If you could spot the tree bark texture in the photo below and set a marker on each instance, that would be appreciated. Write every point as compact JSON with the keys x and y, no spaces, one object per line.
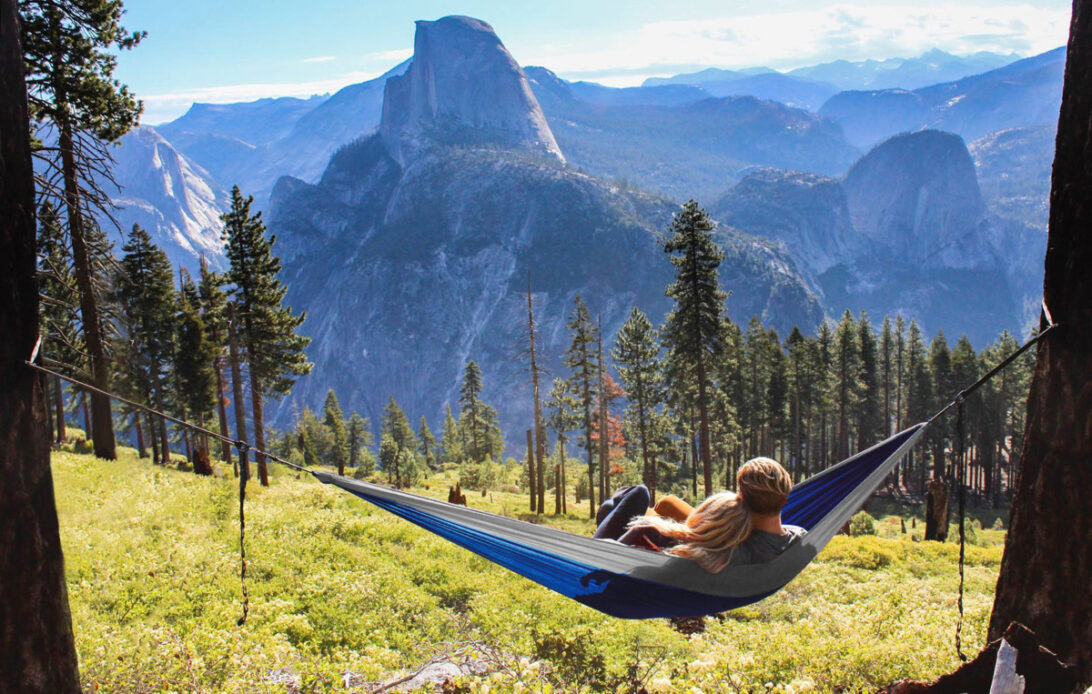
{"x":1046,"y":571}
{"x":237,"y":390}
{"x":37,"y":653}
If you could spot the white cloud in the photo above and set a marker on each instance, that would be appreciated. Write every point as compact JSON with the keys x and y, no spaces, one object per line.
{"x":791,"y":39}
{"x":320,"y":59}
{"x":395,"y":56}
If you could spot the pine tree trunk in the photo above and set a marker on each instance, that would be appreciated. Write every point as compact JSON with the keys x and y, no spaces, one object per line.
{"x":102,"y":425}
{"x":58,"y":395}
{"x":221,"y":410}
{"x":86,"y":415}
{"x":152,"y":439}
{"x":141,"y":451}
{"x":1046,"y":570}
{"x":256,"y":408}
{"x":540,"y":430}
{"x":164,"y":437}
{"x":532,"y":479}
{"x":562,"y":483}
{"x":237,"y":391}
{"x":37,"y":653}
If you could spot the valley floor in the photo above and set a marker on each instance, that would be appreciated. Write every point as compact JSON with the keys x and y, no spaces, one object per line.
{"x":344,"y":596}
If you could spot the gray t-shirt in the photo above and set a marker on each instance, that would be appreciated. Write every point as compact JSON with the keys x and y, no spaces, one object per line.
{"x":762,"y":546}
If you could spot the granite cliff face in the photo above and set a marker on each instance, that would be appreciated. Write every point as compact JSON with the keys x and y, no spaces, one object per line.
{"x":462,"y":88}
{"x":806,"y":213}
{"x":174,"y":199}
{"x":412,"y":253}
{"x":916,"y":198}
{"x":905,"y":231}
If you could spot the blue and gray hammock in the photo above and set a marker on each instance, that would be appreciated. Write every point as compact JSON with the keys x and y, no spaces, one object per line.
{"x":636,"y":583}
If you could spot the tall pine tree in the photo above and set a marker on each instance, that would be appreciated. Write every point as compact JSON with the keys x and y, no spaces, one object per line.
{"x":636,"y":353}
{"x":334,"y":419}
{"x":146,"y":296}
{"x":266,"y":328}
{"x":195,"y":379}
{"x":471,"y":417}
{"x":582,"y":358}
{"x":692,"y":329}
{"x":70,"y":48}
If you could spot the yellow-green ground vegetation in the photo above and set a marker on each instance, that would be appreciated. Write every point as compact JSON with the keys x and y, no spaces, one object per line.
{"x":341,"y":592}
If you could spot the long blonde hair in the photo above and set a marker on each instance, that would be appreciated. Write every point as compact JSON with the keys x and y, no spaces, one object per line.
{"x":723,"y":522}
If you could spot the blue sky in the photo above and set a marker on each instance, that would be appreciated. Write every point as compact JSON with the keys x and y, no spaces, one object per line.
{"x":240,"y":50}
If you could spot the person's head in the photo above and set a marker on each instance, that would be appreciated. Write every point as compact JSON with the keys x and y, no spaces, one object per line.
{"x":724,"y":521}
{"x":764,"y":486}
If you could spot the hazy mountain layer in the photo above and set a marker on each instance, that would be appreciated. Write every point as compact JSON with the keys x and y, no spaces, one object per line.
{"x":1027,"y":92}
{"x":693,"y":150}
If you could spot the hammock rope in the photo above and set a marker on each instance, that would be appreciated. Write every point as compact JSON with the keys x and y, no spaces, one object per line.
{"x":671,"y":580}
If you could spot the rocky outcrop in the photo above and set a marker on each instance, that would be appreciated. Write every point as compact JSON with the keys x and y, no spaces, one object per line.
{"x":805,"y":213}
{"x":463,"y":87}
{"x":175,"y":200}
{"x":916,"y":198}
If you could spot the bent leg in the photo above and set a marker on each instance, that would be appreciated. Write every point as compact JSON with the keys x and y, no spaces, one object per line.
{"x":634,"y":502}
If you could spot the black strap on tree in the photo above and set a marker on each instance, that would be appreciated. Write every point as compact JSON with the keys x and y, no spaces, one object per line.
{"x":241,"y":445}
{"x":961,"y":479}
{"x":244,"y":474}
{"x":959,"y":401}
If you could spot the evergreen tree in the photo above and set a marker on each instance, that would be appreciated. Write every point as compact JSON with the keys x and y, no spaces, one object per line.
{"x":692,"y":332}
{"x":451,"y":439}
{"x":146,"y":295}
{"x":69,"y":48}
{"x":428,"y":445}
{"x":360,"y":439}
{"x":314,"y":438}
{"x":777,"y":393}
{"x":919,"y":393}
{"x":869,"y":406}
{"x":471,"y":416}
{"x":58,"y":307}
{"x":940,"y":371}
{"x":825,"y":400}
{"x":334,"y":419}
{"x":582,"y":358}
{"x":563,"y":418}
{"x":847,"y":367}
{"x":267,"y":328}
{"x":194,"y":357}
{"x":398,"y":437}
{"x":214,"y":313}
{"x":887,"y":366}
{"x":636,"y":353}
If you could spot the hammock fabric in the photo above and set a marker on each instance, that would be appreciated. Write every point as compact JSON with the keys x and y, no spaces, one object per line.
{"x":636,"y":583}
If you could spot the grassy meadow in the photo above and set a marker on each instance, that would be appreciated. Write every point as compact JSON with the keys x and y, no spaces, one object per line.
{"x":344,"y":597}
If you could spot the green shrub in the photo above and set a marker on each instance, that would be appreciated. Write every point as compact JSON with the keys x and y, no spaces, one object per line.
{"x":862,"y":524}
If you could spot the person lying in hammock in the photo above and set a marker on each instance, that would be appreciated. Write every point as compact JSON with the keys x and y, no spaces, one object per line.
{"x":727,"y":528}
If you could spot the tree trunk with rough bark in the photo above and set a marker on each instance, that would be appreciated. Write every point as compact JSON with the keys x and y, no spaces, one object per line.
{"x":37,"y":653}
{"x":1046,"y":570}
{"x":221,"y":410}
{"x":237,"y":391}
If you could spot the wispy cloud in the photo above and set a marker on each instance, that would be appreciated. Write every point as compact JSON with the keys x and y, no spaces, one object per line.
{"x":161,"y":107}
{"x":395,"y":56}
{"x":320,"y":59}
{"x":791,"y":39}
